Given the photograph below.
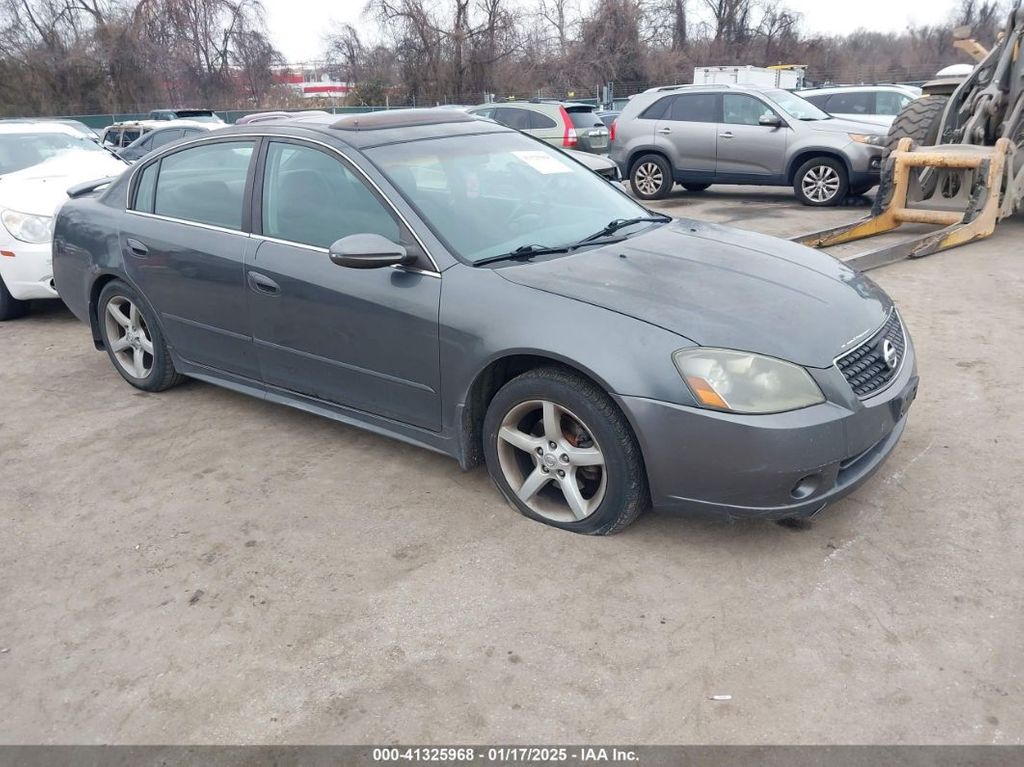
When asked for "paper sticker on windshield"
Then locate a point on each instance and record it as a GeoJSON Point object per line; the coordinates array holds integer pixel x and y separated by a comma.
{"type": "Point", "coordinates": [542, 162]}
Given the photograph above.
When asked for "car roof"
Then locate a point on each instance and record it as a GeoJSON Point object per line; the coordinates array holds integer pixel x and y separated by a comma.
{"type": "Point", "coordinates": [33, 126]}
{"type": "Point", "coordinates": [851, 88]}
{"type": "Point", "coordinates": [369, 129]}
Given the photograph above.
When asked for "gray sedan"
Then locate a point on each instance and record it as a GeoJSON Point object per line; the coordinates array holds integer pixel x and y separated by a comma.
{"type": "Point", "coordinates": [463, 287]}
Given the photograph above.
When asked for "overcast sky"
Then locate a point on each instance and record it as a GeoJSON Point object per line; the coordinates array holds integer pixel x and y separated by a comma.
{"type": "Point", "coordinates": [297, 26]}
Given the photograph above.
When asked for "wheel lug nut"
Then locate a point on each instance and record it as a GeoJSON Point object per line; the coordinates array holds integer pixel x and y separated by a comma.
{"type": "Point", "coordinates": [540, 451]}
{"type": "Point", "coordinates": [561, 473]}
{"type": "Point", "coordinates": [544, 469]}
{"type": "Point", "coordinates": [563, 458]}
{"type": "Point", "coordinates": [552, 445]}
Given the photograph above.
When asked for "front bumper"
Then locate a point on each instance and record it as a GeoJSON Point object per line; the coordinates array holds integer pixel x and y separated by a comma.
{"type": "Point", "coordinates": [770, 466]}
{"type": "Point", "coordinates": [28, 273]}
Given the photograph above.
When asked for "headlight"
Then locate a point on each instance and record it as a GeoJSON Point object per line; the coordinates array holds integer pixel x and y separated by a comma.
{"type": "Point", "coordinates": [741, 382]}
{"type": "Point", "coordinates": [864, 138]}
{"type": "Point", "coordinates": [28, 228]}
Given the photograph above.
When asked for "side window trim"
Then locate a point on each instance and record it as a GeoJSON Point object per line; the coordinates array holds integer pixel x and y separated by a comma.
{"type": "Point", "coordinates": [255, 209]}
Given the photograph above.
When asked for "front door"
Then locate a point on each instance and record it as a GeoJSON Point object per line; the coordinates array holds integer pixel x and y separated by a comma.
{"type": "Point", "coordinates": [748, 151]}
{"type": "Point", "coordinates": [184, 247]}
{"type": "Point", "coordinates": [366, 339]}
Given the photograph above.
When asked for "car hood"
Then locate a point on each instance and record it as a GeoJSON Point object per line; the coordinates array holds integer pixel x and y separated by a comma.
{"type": "Point", "coordinates": [842, 125]}
{"type": "Point", "coordinates": [722, 287]}
{"type": "Point", "coordinates": [41, 189]}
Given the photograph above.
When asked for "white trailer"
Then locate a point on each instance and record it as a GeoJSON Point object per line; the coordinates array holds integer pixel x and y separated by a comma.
{"type": "Point", "coordinates": [788, 77]}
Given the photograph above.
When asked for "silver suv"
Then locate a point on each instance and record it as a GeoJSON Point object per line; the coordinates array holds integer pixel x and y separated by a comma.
{"type": "Point", "coordinates": [742, 134]}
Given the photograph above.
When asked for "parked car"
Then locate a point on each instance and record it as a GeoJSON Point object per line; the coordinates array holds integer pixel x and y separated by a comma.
{"type": "Point", "coordinates": [599, 163]}
{"type": "Point", "coordinates": [876, 104]}
{"type": "Point", "coordinates": [160, 136]}
{"type": "Point", "coordinates": [195, 115]}
{"type": "Point", "coordinates": [123, 134]}
{"type": "Point", "coordinates": [77, 125]}
{"type": "Point", "coordinates": [38, 163]}
{"type": "Point", "coordinates": [259, 117]}
{"type": "Point", "coordinates": [608, 116]}
{"type": "Point", "coordinates": [743, 134]}
{"type": "Point", "coordinates": [574, 126]}
{"type": "Point", "coordinates": [598, 357]}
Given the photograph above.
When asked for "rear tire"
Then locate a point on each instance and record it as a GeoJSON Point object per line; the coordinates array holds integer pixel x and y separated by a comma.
{"type": "Point", "coordinates": [592, 481]}
{"type": "Point", "coordinates": [133, 339]}
{"type": "Point", "coordinates": [651, 177]}
{"type": "Point", "coordinates": [821, 182]}
{"type": "Point", "coordinates": [695, 187]}
{"type": "Point", "coordinates": [10, 307]}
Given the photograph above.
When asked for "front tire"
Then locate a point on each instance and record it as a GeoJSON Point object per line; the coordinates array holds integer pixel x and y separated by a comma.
{"type": "Point", "coordinates": [651, 177]}
{"type": "Point", "coordinates": [10, 307]}
{"type": "Point", "coordinates": [133, 339]}
{"type": "Point", "coordinates": [562, 453]}
{"type": "Point", "coordinates": [821, 182]}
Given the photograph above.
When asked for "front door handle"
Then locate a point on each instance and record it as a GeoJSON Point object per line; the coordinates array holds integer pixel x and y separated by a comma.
{"type": "Point", "coordinates": [664, 130]}
{"type": "Point", "coordinates": [725, 134]}
{"type": "Point", "coordinates": [263, 284]}
{"type": "Point", "coordinates": [137, 248]}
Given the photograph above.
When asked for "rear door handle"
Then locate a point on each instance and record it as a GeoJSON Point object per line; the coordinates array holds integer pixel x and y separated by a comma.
{"type": "Point", "coordinates": [263, 284]}
{"type": "Point", "coordinates": [664, 130]}
{"type": "Point", "coordinates": [137, 248]}
{"type": "Point", "coordinates": [726, 134]}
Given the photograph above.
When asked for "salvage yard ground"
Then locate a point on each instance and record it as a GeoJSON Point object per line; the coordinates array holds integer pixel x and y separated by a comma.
{"type": "Point", "coordinates": [201, 567]}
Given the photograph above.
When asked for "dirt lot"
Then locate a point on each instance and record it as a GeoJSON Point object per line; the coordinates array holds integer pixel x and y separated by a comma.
{"type": "Point", "coordinates": [201, 567]}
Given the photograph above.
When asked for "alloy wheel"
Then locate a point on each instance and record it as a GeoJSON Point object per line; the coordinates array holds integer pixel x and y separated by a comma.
{"type": "Point", "coordinates": [820, 183]}
{"type": "Point", "coordinates": [648, 178]}
{"type": "Point", "coordinates": [551, 461]}
{"type": "Point", "coordinates": [129, 337]}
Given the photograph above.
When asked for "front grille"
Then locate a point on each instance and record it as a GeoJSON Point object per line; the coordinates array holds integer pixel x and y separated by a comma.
{"type": "Point", "coordinates": [865, 368]}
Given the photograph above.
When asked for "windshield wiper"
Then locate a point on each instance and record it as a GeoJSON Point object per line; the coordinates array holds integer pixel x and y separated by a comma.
{"type": "Point", "coordinates": [621, 223]}
{"type": "Point", "coordinates": [522, 253]}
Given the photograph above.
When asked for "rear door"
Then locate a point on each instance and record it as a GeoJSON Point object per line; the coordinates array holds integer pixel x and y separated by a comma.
{"type": "Point", "coordinates": [688, 134]}
{"type": "Point", "coordinates": [747, 150]}
{"type": "Point", "coordinates": [362, 338]}
{"type": "Point", "coordinates": [184, 242]}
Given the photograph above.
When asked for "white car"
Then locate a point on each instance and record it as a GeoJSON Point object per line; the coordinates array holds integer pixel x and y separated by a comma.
{"type": "Point", "coordinates": [38, 163]}
{"type": "Point", "coordinates": [875, 104]}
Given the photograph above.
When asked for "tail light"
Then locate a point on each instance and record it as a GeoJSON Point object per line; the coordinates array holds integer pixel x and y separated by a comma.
{"type": "Point", "coordinates": [611, 130]}
{"type": "Point", "coordinates": [569, 137]}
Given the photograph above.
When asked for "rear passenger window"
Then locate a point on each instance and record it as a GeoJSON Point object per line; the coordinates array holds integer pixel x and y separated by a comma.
{"type": "Point", "coordinates": [694, 108]}
{"type": "Point", "coordinates": [540, 122]}
{"type": "Point", "coordinates": [164, 137]}
{"type": "Point", "coordinates": [310, 197]}
{"type": "Point", "coordinates": [657, 110]}
{"type": "Point", "coordinates": [850, 103]}
{"type": "Point", "coordinates": [519, 119]}
{"type": "Point", "coordinates": [205, 184]}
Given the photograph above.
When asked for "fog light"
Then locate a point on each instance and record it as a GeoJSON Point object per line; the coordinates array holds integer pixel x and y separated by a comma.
{"type": "Point", "coordinates": [806, 487]}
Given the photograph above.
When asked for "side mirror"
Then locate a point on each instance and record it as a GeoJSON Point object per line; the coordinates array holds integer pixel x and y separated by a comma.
{"type": "Point", "coordinates": [368, 251]}
{"type": "Point", "coordinates": [770, 121]}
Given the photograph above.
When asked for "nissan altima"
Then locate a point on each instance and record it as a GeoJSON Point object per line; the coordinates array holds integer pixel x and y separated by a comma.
{"type": "Point", "coordinates": [463, 287]}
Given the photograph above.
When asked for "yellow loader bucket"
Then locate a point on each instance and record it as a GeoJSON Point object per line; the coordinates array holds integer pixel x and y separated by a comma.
{"type": "Point", "coordinates": [966, 204]}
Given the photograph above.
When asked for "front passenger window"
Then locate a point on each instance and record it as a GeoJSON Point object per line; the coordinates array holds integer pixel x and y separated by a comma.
{"type": "Point", "coordinates": [312, 198]}
{"type": "Point", "coordinates": [740, 109]}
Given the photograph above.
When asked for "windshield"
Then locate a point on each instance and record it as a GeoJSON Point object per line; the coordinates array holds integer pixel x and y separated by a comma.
{"type": "Point", "coordinates": [23, 150]}
{"type": "Point", "coordinates": [489, 194]}
{"type": "Point", "coordinates": [795, 106]}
